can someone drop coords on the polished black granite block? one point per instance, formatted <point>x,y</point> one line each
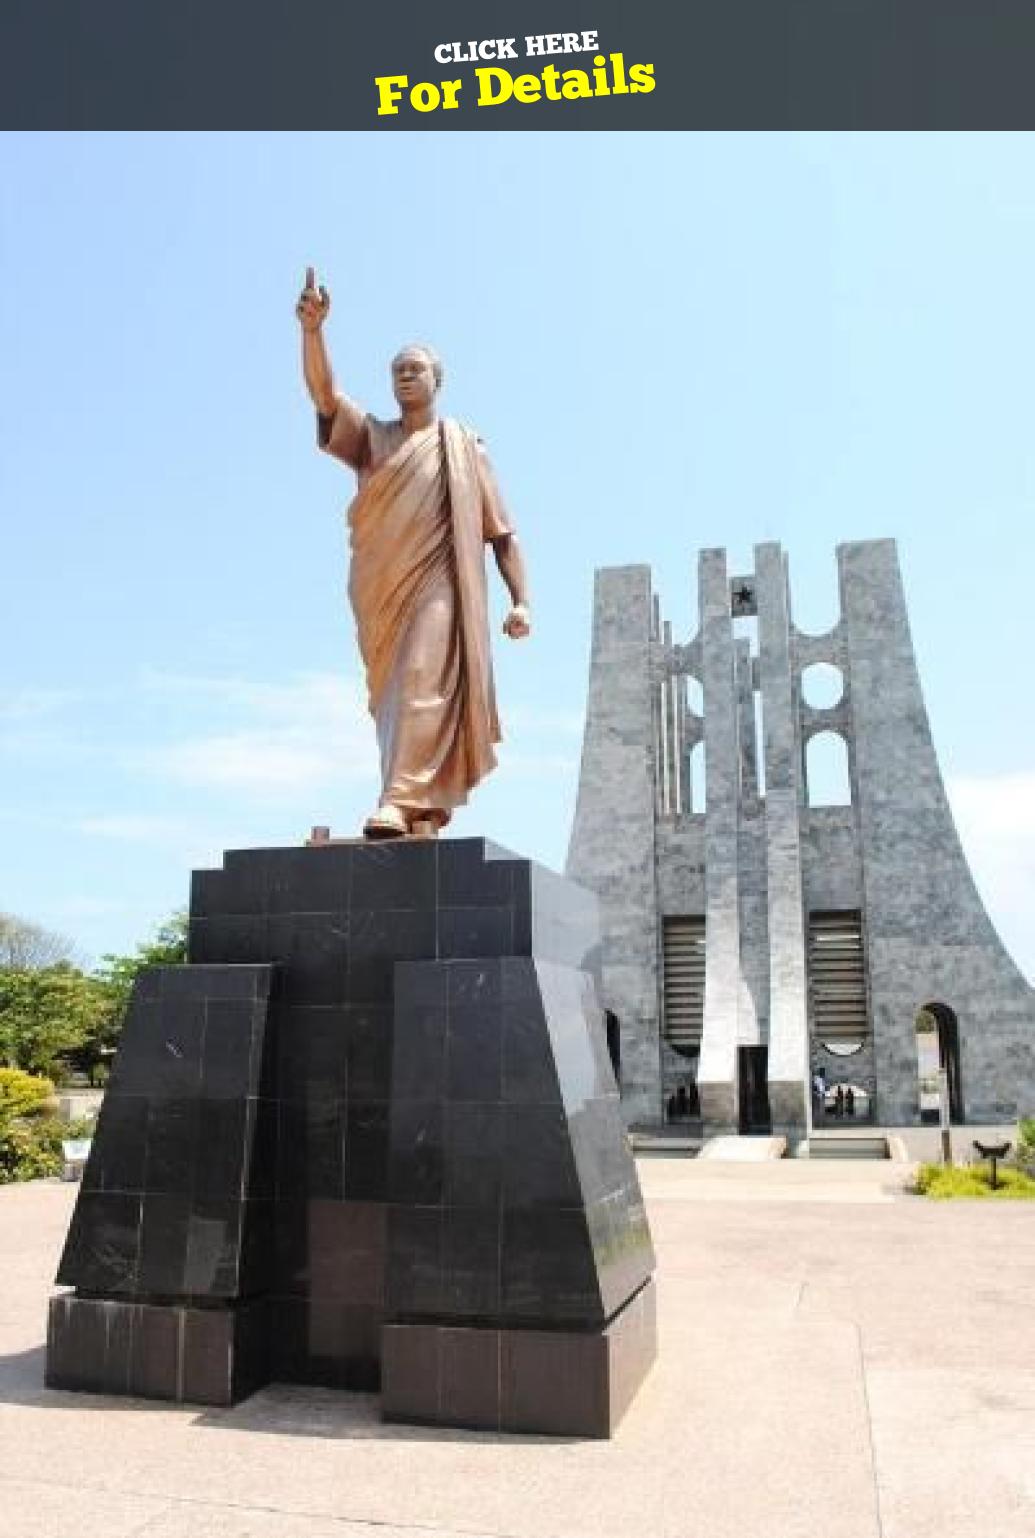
<point>180,1166</point>
<point>157,1351</point>
<point>519,1259</point>
<point>378,1091</point>
<point>555,1382</point>
<point>364,906</point>
<point>514,1197</point>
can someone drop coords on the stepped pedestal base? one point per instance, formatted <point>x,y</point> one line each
<point>370,1131</point>
<point>211,1356</point>
<point>554,1382</point>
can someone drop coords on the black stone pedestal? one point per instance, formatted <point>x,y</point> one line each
<point>171,1238</point>
<point>554,1382</point>
<point>373,1120</point>
<point>519,1259</point>
<point>212,1356</point>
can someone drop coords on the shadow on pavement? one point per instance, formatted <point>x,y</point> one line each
<point>281,1409</point>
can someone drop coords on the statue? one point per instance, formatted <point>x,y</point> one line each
<point>426,505</point>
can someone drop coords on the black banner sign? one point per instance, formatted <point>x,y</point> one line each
<point>567,64</point>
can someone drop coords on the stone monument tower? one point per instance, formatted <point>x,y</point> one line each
<point>772,960</point>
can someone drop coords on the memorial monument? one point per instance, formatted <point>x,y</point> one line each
<point>369,1135</point>
<point>774,962</point>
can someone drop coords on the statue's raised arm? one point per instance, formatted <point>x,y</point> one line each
<point>341,425</point>
<point>312,310</point>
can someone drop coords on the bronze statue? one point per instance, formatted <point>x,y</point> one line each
<point>426,505</point>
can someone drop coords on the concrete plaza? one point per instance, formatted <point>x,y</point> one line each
<point>837,1358</point>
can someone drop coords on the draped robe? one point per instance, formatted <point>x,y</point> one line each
<point>426,505</point>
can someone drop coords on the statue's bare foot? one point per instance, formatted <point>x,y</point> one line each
<point>427,822</point>
<point>386,822</point>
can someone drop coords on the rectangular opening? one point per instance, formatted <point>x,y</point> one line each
<point>683,964</point>
<point>837,977</point>
<point>753,1089</point>
<point>759,743</point>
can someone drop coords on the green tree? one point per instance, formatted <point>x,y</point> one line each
<point>167,948</point>
<point>47,1014</point>
<point>53,1015</point>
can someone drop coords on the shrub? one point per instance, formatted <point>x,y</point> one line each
<point>31,1137</point>
<point>944,1182</point>
<point>31,1149</point>
<point>1025,1150</point>
<point>22,1093</point>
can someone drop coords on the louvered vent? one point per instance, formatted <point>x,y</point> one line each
<point>837,976</point>
<point>683,944</point>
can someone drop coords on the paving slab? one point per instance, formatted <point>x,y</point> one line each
<point>31,1507</point>
<point>868,1363</point>
<point>768,1179</point>
<point>190,1519</point>
<point>956,1452</point>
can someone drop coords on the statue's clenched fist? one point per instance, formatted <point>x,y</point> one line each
<point>313,303</point>
<point>517,623</point>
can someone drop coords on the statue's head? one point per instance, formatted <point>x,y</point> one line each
<point>416,376</point>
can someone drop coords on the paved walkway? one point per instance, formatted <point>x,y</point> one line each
<point>837,1361</point>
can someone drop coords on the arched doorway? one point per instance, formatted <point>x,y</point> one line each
<point>937,1047</point>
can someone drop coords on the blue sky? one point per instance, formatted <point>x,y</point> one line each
<point>668,341</point>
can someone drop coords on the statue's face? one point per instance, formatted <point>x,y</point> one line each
<point>413,378</point>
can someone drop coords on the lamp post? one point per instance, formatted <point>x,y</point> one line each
<point>943,1115</point>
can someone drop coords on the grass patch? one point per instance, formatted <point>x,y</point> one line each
<point>944,1182</point>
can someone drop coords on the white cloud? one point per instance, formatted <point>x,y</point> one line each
<point>192,841</point>
<point>271,740</point>
<point>998,806</point>
<point>32,704</point>
<point>564,723</point>
<point>247,761</point>
<point>534,766</point>
<point>302,692</point>
<point>312,732</point>
<point>995,816</point>
<point>133,828</point>
<point>32,723</point>
<point>86,907</point>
